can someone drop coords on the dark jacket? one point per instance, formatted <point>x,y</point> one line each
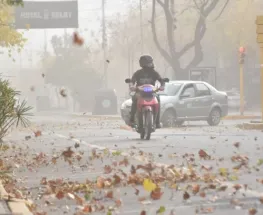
<point>146,76</point>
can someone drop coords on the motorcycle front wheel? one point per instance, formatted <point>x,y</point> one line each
<point>148,124</point>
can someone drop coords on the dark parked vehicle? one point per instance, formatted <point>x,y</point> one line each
<point>187,101</point>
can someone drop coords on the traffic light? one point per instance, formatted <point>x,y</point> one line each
<point>242,55</point>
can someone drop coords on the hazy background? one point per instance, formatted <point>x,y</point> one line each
<point>220,45</point>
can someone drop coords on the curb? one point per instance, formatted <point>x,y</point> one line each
<point>99,117</point>
<point>16,206</point>
<point>239,117</point>
<point>230,117</point>
<point>251,126</point>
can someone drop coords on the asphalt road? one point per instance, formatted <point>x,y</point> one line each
<point>166,147</point>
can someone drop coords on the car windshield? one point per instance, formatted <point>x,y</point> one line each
<point>170,89</point>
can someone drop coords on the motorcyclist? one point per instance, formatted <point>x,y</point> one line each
<point>146,75</point>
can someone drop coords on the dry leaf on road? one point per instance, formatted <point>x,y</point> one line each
<point>37,133</point>
<point>156,194</point>
<point>186,195</point>
<point>252,211</point>
<point>195,188</point>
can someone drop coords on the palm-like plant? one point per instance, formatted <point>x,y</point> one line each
<point>11,113</point>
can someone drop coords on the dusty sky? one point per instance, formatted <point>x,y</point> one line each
<point>89,20</point>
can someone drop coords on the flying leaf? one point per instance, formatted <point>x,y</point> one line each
<point>37,133</point>
<point>71,196</point>
<point>207,210</point>
<point>77,39</point>
<point>118,203</point>
<point>63,93</point>
<point>202,194</point>
<point>203,154</point>
<point>109,212</point>
<point>233,178</point>
<point>222,188</point>
<point>237,144</point>
<point>109,194</point>
<point>252,211</point>
<point>87,209</point>
<point>186,195</point>
<point>143,213</point>
<point>107,169</point>
<point>100,183</point>
<point>148,185</point>
<point>161,210</point>
<point>223,172</point>
<point>117,179</point>
<point>156,194</point>
<point>68,153</point>
<point>237,186</point>
<point>195,188</point>
<point>260,162</point>
<point>60,195</point>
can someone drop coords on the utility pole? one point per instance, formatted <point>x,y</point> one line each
<point>241,78</point>
<point>104,44</point>
<point>259,23</point>
<point>141,26</point>
<point>45,41</point>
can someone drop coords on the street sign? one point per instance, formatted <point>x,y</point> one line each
<point>260,38</point>
<point>259,20</point>
<point>259,29</point>
<point>47,14</point>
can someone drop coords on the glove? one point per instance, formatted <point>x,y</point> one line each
<point>161,88</point>
<point>132,88</point>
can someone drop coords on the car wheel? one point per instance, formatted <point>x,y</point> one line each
<point>169,118</point>
<point>214,117</point>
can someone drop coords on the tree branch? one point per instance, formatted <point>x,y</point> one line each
<point>221,12</point>
<point>162,50</point>
<point>200,26</point>
<point>160,3</point>
<point>210,7</point>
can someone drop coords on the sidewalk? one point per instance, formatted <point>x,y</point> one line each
<point>231,115</point>
<point>4,208</point>
<point>247,115</point>
<point>12,206</point>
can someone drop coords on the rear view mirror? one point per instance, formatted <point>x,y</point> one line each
<point>128,80</point>
<point>166,80</point>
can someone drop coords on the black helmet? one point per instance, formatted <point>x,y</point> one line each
<point>146,61</point>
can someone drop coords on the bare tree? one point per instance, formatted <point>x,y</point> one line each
<point>172,55</point>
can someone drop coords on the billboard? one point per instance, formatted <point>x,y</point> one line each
<point>47,14</point>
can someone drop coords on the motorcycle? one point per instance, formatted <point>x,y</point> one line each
<point>147,108</point>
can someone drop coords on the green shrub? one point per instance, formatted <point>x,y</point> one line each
<point>11,113</point>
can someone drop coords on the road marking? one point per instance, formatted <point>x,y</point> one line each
<point>160,165</point>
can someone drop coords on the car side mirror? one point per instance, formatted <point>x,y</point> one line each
<point>184,96</point>
<point>128,80</point>
<point>166,80</point>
